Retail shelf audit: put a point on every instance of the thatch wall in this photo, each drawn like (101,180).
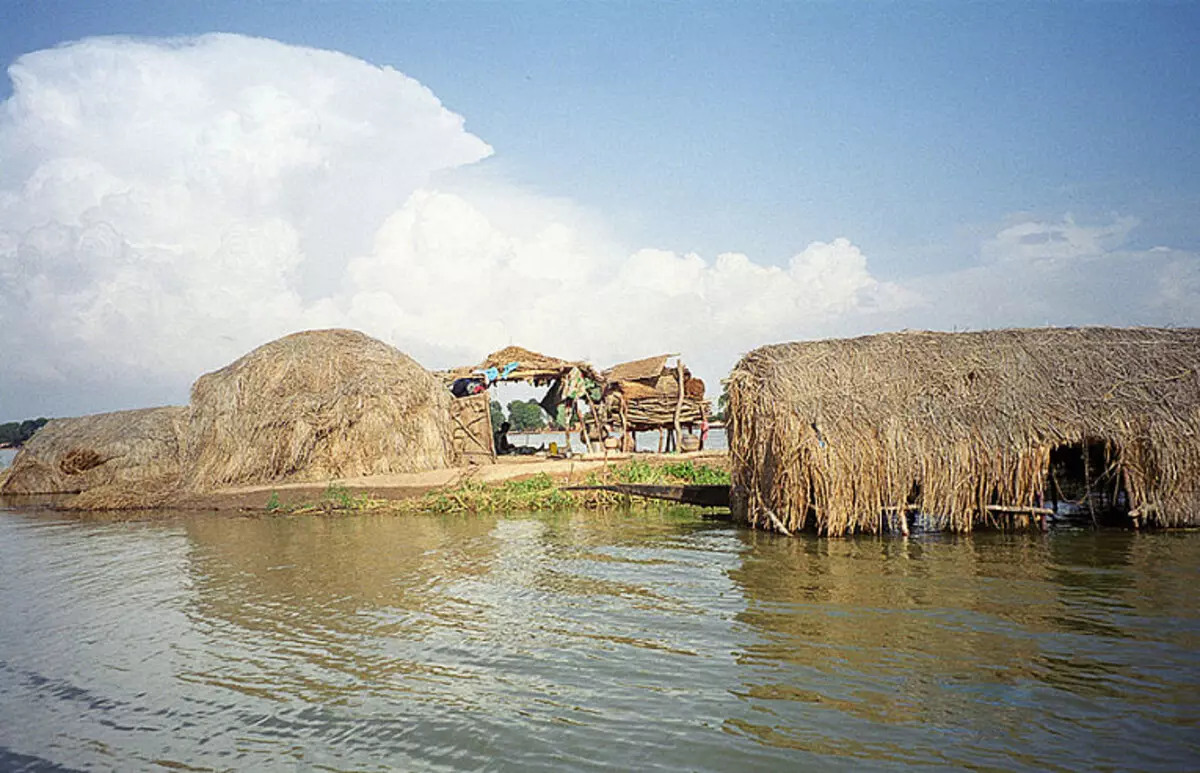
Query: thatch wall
(139,448)
(830,435)
(315,406)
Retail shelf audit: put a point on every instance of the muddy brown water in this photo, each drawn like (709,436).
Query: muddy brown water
(589,641)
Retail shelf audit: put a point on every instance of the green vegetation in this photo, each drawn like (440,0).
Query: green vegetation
(335,499)
(668,473)
(497,414)
(526,415)
(15,433)
(539,492)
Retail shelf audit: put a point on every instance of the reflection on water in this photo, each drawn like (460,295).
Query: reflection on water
(588,641)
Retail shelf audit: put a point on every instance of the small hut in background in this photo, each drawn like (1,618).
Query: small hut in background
(138,451)
(969,429)
(649,394)
(569,384)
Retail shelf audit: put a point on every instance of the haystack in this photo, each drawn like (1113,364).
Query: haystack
(834,435)
(315,406)
(135,449)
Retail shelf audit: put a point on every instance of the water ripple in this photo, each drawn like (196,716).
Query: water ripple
(588,641)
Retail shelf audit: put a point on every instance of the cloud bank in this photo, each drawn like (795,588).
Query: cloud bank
(166,206)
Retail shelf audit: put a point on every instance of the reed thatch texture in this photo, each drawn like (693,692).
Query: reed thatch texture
(832,434)
(531,366)
(636,370)
(317,405)
(138,448)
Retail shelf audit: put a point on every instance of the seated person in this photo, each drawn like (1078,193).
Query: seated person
(500,440)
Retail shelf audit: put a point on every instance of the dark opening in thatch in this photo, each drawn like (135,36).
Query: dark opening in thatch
(836,435)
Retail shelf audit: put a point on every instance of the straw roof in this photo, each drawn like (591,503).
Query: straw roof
(635,370)
(134,448)
(316,405)
(830,434)
(532,366)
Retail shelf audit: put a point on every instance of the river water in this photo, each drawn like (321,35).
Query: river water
(589,641)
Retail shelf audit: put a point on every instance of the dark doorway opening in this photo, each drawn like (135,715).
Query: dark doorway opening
(1086,485)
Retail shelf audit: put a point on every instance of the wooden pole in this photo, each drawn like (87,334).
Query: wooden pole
(678,400)
(587,442)
(595,414)
(624,428)
(1087,481)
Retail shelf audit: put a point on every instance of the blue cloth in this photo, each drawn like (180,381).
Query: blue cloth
(495,374)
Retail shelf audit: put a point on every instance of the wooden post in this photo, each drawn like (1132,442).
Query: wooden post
(1087,481)
(595,414)
(660,439)
(678,400)
(587,442)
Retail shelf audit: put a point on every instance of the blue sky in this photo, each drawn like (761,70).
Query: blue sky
(760,127)
(918,132)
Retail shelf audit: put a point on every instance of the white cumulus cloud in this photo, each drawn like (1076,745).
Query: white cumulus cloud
(167,205)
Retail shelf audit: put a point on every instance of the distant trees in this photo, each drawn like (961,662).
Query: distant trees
(497,414)
(526,415)
(15,433)
(722,404)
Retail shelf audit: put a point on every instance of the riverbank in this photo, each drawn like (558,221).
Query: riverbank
(482,487)
(517,482)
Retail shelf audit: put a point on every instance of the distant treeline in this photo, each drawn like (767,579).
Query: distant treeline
(14,433)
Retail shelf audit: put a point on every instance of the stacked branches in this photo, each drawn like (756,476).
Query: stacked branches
(315,406)
(832,435)
(645,395)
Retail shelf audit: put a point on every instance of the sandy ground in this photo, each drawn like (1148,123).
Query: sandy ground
(405,485)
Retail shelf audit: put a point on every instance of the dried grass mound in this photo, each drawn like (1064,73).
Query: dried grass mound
(128,448)
(832,434)
(315,406)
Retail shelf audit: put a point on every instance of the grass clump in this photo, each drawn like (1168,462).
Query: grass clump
(335,499)
(669,473)
(539,492)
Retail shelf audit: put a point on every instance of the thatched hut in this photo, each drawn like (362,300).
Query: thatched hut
(530,366)
(314,406)
(648,394)
(840,436)
(137,449)
(568,382)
